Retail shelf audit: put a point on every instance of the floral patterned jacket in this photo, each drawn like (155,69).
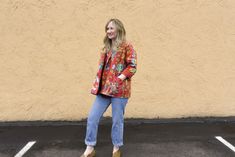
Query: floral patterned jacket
(124,62)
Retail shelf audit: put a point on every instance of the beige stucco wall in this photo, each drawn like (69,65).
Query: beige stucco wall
(49,55)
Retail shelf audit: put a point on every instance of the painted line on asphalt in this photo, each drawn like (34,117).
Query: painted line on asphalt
(25,149)
(225,142)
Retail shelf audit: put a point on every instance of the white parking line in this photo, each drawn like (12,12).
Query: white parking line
(25,149)
(225,142)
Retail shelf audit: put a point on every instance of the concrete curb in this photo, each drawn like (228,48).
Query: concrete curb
(128,121)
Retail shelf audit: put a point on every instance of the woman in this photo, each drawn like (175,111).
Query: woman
(112,85)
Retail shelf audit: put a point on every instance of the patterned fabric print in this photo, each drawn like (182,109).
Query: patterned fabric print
(113,53)
(110,67)
(96,83)
(105,77)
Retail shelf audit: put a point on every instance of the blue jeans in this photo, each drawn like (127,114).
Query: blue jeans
(100,105)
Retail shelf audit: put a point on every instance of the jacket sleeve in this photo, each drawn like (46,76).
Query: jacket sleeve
(131,61)
(101,60)
(96,82)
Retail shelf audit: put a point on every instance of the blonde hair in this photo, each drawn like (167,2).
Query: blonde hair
(121,35)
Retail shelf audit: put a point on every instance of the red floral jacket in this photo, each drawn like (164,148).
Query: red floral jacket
(124,62)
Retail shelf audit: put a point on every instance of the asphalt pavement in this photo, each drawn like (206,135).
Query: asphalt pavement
(142,138)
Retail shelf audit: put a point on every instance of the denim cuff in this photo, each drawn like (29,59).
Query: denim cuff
(90,143)
(118,144)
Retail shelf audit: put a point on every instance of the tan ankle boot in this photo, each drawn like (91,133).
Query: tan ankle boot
(117,154)
(92,154)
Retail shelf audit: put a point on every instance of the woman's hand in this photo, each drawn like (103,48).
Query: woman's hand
(122,77)
(117,83)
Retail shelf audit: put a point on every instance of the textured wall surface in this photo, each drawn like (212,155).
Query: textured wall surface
(49,54)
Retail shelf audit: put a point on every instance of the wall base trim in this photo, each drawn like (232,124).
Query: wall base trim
(128,121)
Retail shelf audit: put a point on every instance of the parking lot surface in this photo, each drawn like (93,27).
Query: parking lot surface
(151,138)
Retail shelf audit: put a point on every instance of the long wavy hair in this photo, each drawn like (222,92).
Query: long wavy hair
(121,36)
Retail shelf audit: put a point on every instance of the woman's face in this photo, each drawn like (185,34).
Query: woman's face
(111,31)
